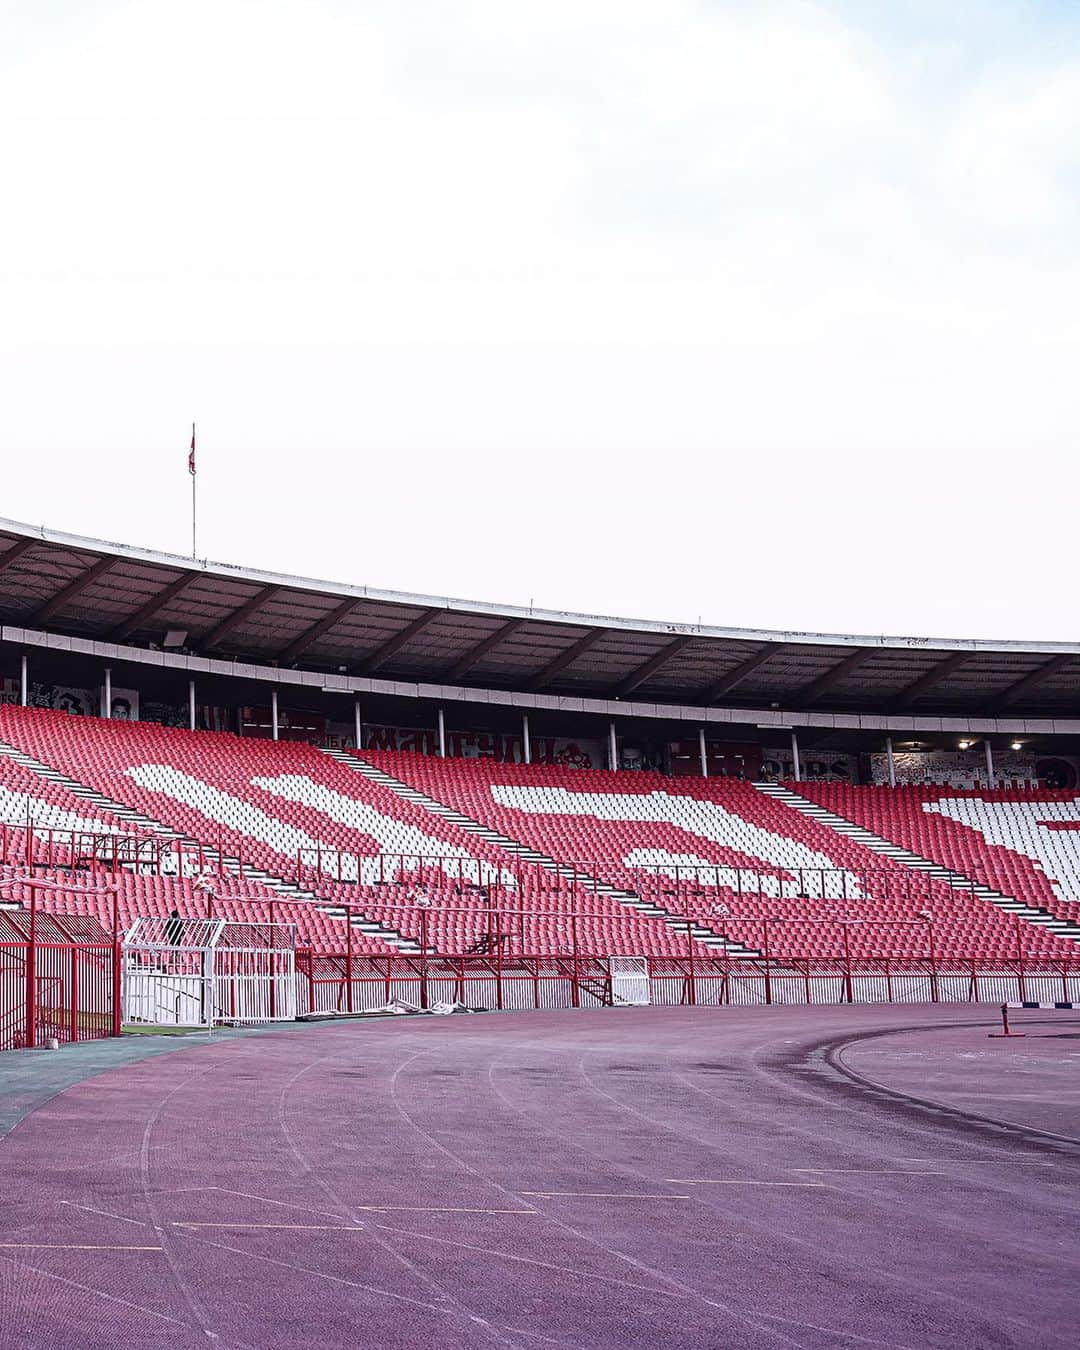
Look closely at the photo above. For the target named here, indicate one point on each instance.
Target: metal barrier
(334, 982)
(53, 988)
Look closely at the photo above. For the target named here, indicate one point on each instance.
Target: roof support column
(892, 762)
(106, 694)
(273, 714)
(612, 747)
(24, 680)
(358, 726)
(191, 704)
(526, 744)
(701, 752)
(442, 734)
(795, 756)
(991, 781)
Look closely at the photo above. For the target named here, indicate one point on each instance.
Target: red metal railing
(331, 983)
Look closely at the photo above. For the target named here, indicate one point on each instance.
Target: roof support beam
(564, 659)
(147, 611)
(477, 653)
(926, 682)
(316, 631)
(392, 646)
(1017, 691)
(651, 666)
(71, 590)
(727, 682)
(237, 617)
(825, 681)
(15, 552)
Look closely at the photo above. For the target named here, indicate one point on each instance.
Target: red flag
(191, 455)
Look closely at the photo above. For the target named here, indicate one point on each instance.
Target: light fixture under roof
(966, 745)
(1016, 745)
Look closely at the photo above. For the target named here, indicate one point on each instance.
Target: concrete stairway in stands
(286, 889)
(644, 909)
(885, 848)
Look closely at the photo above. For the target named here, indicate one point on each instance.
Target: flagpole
(192, 466)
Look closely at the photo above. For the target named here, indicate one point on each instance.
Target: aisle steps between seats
(876, 843)
(286, 889)
(708, 937)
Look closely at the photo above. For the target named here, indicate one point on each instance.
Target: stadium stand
(458, 855)
(1020, 843)
(285, 810)
(690, 844)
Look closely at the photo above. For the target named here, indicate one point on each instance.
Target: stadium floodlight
(966, 745)
(1016, 745)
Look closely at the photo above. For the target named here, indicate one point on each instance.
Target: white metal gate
(255, 973)
(168, 972)
(629, 980)
(195, 972)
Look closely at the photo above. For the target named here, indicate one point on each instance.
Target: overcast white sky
(767, 312)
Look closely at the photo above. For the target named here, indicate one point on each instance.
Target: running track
(655, 1178)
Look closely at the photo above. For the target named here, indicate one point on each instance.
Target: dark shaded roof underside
(65, 584)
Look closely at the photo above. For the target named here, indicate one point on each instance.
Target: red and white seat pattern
(714, 851)
(1022, 842)
(693, 845)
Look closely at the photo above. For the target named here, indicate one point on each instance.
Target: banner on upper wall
(500, 747)
(953, 768)
(81, 702)
(815, 766)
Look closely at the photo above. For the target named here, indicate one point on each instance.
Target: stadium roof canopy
(63, 583)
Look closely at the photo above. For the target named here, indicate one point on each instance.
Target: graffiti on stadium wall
(503, 748)
(815, 766)
(81, 702)
(953, 768)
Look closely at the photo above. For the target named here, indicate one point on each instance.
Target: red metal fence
(335, 982)
(56, 980)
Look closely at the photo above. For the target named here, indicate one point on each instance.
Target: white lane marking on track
(247, 1195)
(732, 1181)
(868, 1172)
(458, 1309)
(76, 1247)
(139, 1223)
(98, 1293)
(605, 1195)
(291, 1227)
(321, 1275)
(532, 1261)
(746, 1318)
(439, 1209)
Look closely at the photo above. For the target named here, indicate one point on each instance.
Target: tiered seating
(240, 902)
(1022, 842)
(715, 852)
(290, 810)
(692, 844)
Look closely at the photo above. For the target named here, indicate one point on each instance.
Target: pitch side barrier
(334, 982)
(57, 980)
(526, 958)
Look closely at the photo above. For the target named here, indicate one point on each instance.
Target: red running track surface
(658, 1178)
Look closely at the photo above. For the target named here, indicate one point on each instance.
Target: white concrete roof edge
(563, 617)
